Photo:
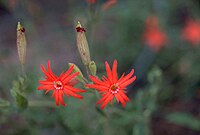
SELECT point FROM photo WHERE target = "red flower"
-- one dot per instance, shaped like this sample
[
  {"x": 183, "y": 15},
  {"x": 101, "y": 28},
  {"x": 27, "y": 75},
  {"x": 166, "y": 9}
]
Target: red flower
[
  {"x": 91, "y": 1},
  {"x": 60, "y": 85},
  {"x": 154, "y": 37},
  {"x": 111, "y": 86},
  {"x": 108, "y": 4},
  {"x": 191, "y": 32}
]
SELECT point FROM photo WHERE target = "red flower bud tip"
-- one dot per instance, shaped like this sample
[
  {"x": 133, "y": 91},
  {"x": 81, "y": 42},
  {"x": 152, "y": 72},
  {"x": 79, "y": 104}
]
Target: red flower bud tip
[
  {"x": 22, "y": 29},
  {"x": 80, "y": 29},
  {"x": 91, "y": 1}
]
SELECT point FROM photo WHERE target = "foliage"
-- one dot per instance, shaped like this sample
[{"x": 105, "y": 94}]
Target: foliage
[{"x": 165, "y": 99}]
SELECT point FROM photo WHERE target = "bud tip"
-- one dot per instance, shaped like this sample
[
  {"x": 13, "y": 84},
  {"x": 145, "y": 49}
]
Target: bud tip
[
  {"x": 19, "y": 26},
  {"x": 79, "y": 24}
]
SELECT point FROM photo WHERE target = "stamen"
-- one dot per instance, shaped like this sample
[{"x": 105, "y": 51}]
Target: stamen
[
  {"x": 114, "y": 88},
  {"x": 58, "y": 85}
]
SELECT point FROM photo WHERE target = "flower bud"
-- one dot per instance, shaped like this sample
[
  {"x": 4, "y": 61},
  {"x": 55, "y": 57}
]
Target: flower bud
[
  {"x": 82, "y": 44},
  {"x": 93, "y": 68},
  {"x": 21, "y": 43},
  {"x": 79, "y": 77}
]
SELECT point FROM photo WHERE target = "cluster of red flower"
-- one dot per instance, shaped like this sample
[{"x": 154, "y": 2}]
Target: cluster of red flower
[
  {"x": 156, "y": 38},
  {"x": 108, "y": 4},
  {"x": 109, "y": 87},
  {"x": 191, "y": 32}
]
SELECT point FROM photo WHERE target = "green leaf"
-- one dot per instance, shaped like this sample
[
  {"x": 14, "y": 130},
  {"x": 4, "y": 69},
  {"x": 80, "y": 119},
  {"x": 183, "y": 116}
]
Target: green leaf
[
  {"x": 4, "y": 103},
  {"x": 18, "y": 92},
  {"x": 20, "y": 99},
  {"x": 155, "y": 75},
  {"x": 101, "y": 111},
  {"x": 184, "y": 119}
]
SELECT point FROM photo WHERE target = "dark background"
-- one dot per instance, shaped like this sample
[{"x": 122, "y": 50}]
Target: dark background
[{"x": 165, "y": 99}]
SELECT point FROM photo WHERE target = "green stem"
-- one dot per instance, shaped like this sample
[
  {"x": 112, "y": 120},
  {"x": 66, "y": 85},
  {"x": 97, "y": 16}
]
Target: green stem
[
  {"x": 5, "y": 105},
  {"x": 85, "y": 80},
  {"x": 23, "y": 72},
  {"x": 41, "y": 104},
  {"x": 34, "y": 104}
]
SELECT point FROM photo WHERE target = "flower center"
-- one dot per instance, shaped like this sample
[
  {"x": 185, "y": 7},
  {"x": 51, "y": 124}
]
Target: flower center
[
  {"x": 114, "y": 88},
  {"x": 58, "y": 85}
]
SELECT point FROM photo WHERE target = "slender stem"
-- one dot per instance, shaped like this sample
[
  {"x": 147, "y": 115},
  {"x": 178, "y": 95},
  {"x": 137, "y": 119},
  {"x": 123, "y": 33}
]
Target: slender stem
[
  {"x": 41, "y": 104},
  {"x": 87, "y": 70},
  {"x": 85, "y": 80},
  {"x": 5, "y": 105},
  {"x": 23, "y": 70},
  {"x": 34, "y": 104}
]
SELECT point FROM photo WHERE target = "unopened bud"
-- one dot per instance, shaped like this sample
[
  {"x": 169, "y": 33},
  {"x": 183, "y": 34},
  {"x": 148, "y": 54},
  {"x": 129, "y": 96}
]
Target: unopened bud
[
  {"x": 79, "y": 77},
  {"x": 93, "y": 68},
  {"x": 82, "y": 44},
  {"x": 21, "y": 43}
]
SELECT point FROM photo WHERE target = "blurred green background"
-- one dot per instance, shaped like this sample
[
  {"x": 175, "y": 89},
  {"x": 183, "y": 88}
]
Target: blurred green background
[{"x": 165, "y": 99}]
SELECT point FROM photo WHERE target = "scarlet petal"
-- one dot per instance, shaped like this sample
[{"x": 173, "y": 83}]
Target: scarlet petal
[
  {"x": 109, "y": 98},
  {"x": 73, "y": 89},
  {"x": 119, "y": 98},
  {"x": 67, "y": 73},
  {"x": 48, "y": 91},
  {"x": 98, "y": 87},
  {"x": 109, "y": 73},
  {"x": 73, "y": 82},
  {"x": 67, "y": 79},
  {"x": 121, "y": 77},
  {"x": 68, "y": 92},
  {"x": 56, "y": 96},
  {"x": 50, "y": 71},
  {"x": 97, "y": 81},
  {"x": 49, "y": 77},
  {"x": 46, "y": 87},
  {"x": 126, "y": 77},
  {"x": 123, "y": 95},
  {"x": 103, "y": 98},
  {"x": 46, "y": 82},
  {"x": 105, "y": 79},
  {"x": 124, "y": 84},
  {"x": 61, "y": 98},
  {"x": 114, "y": 71}
]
